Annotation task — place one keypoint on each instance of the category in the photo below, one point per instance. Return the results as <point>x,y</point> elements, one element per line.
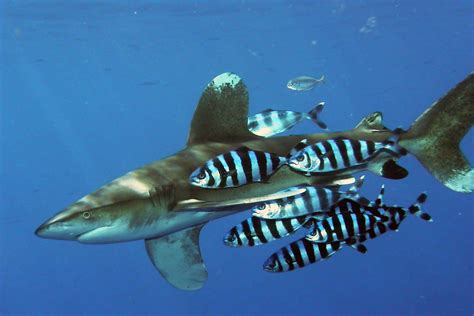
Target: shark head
<point>99,225</point>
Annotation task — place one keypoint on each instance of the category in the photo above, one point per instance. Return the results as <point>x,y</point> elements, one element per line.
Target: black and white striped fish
<point>271,122</point>
<point>314,199</point>
<point>299,254</point>
<point>341,227</point>
<point>396,215</point>
<point>302,252</point>
<point>255,231</point>
<point>348,155</point>
<point>235,168</point>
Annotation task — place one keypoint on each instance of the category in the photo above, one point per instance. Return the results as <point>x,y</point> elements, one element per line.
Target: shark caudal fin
<point>178,258</point>
<point>221,114</point>
<point>435,136</point>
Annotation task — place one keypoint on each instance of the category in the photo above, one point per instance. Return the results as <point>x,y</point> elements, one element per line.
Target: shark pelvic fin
<point>435,136</point>
<point>221,114</point>
<point>178,258</point>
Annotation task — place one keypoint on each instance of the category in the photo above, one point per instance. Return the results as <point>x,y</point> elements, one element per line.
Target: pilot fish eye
<point>261,206</point>
<point>86,215</point>
<point>300,158</point>
<point>201,175</point>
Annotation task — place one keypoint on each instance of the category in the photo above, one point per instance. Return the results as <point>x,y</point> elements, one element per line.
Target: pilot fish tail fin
<point>222,112</point>
<point>435,136</point>
<point>313,115</point>
<point>415,208</point>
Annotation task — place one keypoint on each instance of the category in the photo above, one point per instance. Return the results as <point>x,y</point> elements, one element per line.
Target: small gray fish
<point>271,122</point>
<point>304,83</point>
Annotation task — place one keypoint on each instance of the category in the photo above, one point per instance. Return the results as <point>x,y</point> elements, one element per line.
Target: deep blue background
<point>90,90</point>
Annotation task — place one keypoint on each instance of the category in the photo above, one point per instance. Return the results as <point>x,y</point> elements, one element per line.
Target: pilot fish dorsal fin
<point>221,114</point>
<point>178,258</point>
<point>371,122</point>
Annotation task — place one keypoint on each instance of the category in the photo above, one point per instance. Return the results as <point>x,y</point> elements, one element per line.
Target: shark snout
<point>59,227</point>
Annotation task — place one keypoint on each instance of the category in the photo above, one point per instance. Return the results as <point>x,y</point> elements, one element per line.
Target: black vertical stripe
<point>247,232</point>
<point>338,226</point>
<point>211,181</point>
<point>231,164</point>
<point>262,164</point>
<point>349,225</point>
<point>257,225</point>
<point>288,259</point>
<point>356,149</point>
<point>235,233</point>
<point>275,163</point>
<point>246,165</point>
<point>370,147</point>
<point>287,224</point>
<point>319,154</point>
<point>329,231</point>
<point>307,202</point>
<point>322,198</point>
<point>329,154</point>
<point>272,228</point>
<point>323,250</point>
<point>343,150</point>
<point>297,254</point>
<point>222,172</point>
<point>360,223</point>
<point>309,246</point>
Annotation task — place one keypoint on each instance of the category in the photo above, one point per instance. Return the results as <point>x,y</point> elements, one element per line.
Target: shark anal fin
<point>221,114</point>
<point>178,258</point>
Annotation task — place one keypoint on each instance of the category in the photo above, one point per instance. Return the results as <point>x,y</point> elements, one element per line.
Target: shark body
<point>156,203</point>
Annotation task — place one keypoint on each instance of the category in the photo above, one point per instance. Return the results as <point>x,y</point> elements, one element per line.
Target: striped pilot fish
<point>396,215</point>
<point>314,199</point>
<point>341,227</point>
<point>255,231</point>
<point>299,254</point>
<point>271,122</point>
<point>235,168</point>
<point>341,155</point>
<point>303,252</point>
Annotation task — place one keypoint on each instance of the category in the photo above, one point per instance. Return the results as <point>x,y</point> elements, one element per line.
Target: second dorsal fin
<point>221,114</point>
<point>371,122</point>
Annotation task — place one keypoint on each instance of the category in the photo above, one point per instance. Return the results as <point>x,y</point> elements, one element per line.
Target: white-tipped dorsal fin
<point>178,258</point>
<point>221,114</point>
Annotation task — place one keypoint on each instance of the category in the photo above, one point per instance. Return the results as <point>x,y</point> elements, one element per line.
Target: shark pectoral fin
<point>221,114</point>
<point>178,258</point>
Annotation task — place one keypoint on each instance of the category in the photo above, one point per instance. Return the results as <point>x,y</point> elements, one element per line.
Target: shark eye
<point>261,206</point>
<point>86,215</point>
<point>201,175</point>
<point>300,158</point>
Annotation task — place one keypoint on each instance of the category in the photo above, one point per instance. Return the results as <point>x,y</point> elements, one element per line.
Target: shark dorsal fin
<point>221,114</point>
<point>371,122</point>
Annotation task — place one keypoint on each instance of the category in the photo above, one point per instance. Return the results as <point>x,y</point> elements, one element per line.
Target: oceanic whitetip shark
<point>156,203</point>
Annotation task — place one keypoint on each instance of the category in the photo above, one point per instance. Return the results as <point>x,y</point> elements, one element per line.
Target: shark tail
<point>434,138</point>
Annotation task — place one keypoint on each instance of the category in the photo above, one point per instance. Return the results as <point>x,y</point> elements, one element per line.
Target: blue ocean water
<point>90,90</point>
